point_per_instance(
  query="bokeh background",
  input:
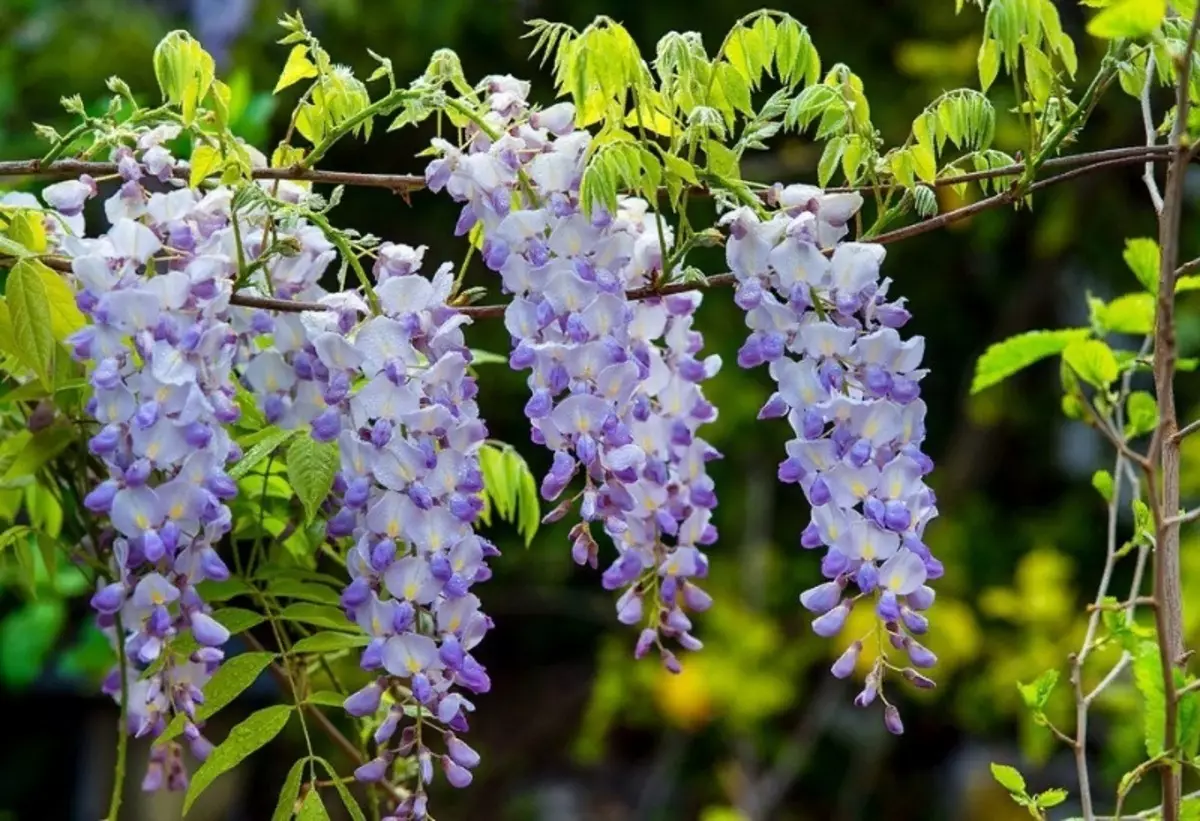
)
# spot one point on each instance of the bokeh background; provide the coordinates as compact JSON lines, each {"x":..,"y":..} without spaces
{"x":754,"y":728}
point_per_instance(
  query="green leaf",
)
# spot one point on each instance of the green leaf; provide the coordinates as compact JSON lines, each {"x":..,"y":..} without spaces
{"x":735,"y":88}
{"x":298,"y":67}
{"x":830,"y":158}
{"x":253,"y":733}
{"x":1036,"y":694}
{"x":479,"y":357}
{"x":230,"y":680}
{"x":1102,"y":481}
{"x":1092,"y":361}
{"x":311,"y":466}
{"x":329,"y":642}
{"x":313,"y":809}
{"x":1141,"y":414}
{"x":347,"y":799}
{"x":1125,"y":19}
{"x":289,"y":792}
{"x":29,"y":309}
{"x":1142,"y":257}
{"x":1129,"y":314}
{"x":263,"y":448}
{"x":1147,"y":675}
{"x":530,"y":505}
{"x":205,"y":160}
{"x":319,"y":615}
{"x":1003,"y":359}
{"x":1008,"y":778}
{"x":989,"y":63}
{"x":65,"y":316}
{"x":1050,"y":798}
{"x":305,"y":591}
{"x":495,"y":480}
{"x":326,"y":698}
{"x":28,"y":634}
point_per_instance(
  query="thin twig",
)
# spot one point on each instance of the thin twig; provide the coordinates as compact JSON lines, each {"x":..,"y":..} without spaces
{"x":1183,"y":518}
{"x":118,"y":788}
{"x":1187,"y":430}
{"x":1151,"y":135}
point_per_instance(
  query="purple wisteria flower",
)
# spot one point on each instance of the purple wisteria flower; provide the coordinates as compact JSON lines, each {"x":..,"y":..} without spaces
{"x":849,"y":387}
{"x":615,"y":383}
{"x":159,"y":352}
{"x":408,"y":496}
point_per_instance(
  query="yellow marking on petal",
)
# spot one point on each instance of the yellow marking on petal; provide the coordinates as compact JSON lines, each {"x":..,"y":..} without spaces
{"x":808,"y":395}
{"x":410,"y":590}
{"x":393,"y":528}
{"x":177,"y":510}
{"x":895,"y":488}
{"x":435,"y":541}
{"x":834,"y":532}
{"x":858,"y":488}
{"x":870,"y":428}
{"x":162,"y":393}
{"x":413,"y":665}
{"x":272,"y":382}
{"x":376,"y":627}
{"x":673,"y":567}
{"x":868,"y":551}
{"x":142,"y":521}
{"x":156,"y":597}
{"x":454,"y":623}
{"x":894,"y":581}
{"x":152,"y":449}
{"x":112,"y":410}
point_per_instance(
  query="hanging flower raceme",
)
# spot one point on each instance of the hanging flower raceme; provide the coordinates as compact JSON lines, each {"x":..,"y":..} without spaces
{"x":614,"y":383}
{"x":408,"y":496}
{"x":849,"y":387}
{"x":159,"y":352}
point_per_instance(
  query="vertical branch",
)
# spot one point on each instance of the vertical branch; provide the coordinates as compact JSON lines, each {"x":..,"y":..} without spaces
{"x":1164,"y":452}
{"x":118,"y":788}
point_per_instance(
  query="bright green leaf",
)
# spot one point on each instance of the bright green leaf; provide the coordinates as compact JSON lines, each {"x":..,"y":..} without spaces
{"x":1102,"y":481}
{"x":1142,"y":256}
{"x":1008,"y":778}
{"x":1003,"y":359}
{"x":29,"y":310}
{"x":1050,"y":798}
{"x":204,"y":162}
{"x":298,"y":67}
{"x":1148,"y":676}
{"x":1125,"y":19}
{"x":1093,"y":361}
{"x":1141,"y":412}
{"x":253,"y":733}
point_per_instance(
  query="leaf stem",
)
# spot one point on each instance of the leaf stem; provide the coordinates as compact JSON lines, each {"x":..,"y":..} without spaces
{"x":118,"y":788}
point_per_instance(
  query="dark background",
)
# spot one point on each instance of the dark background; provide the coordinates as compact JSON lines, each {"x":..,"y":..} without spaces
{"x":573,"y":729}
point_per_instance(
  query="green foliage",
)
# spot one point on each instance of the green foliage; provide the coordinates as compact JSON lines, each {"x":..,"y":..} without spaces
{"x":348,"y":801}
{"x":250,"y":735}
{"x":289,"y":793}
{"x":229,"y":681}
{"x":1010,"y":779}
{"x":1127,"y":18}
{"x":311,"y":466}
{"x":328,"y":642}
{"x":509,"y":489}
{"x":1092,"y":361}
{"x":1006,"y":358}
{"x":1142,"y":255}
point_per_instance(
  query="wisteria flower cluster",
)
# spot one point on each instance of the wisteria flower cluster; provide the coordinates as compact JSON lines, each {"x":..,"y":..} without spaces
{"x":160,"y":353}
{"x":849,"y":387}
{"x":408,"y":495}
{"x":615,"y":384}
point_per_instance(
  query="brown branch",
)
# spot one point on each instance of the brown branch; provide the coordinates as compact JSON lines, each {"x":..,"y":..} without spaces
{"x":1165,"y":445}
{"x":403,"y":183}
{"x":1108,"y":159}
{"x":399,"y":183}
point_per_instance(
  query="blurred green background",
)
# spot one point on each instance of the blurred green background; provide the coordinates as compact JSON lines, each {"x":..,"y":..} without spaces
{"x":754,"y":728}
